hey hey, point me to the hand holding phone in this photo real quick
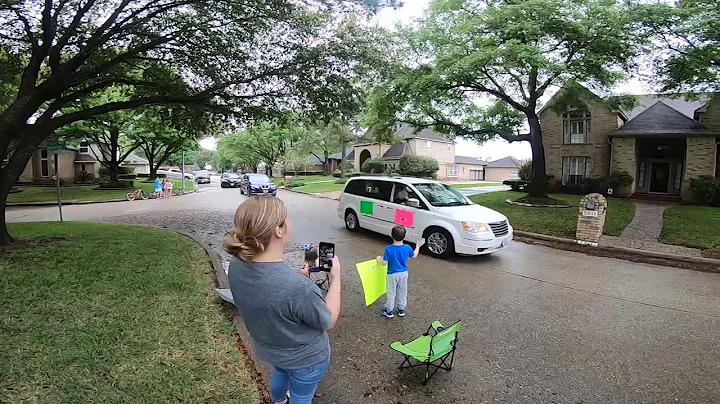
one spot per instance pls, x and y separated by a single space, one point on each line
326 255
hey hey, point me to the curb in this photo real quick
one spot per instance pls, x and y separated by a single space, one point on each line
625 253
221 281
74 202
313 195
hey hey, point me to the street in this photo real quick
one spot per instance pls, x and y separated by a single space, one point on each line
539 324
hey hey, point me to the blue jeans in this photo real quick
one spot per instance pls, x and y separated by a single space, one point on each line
302 383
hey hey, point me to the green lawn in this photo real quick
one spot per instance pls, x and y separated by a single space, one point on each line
476 185
320 187
107 313
307 179
559 222
692 226
81 192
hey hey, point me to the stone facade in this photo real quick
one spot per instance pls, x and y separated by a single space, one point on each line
624 158
700 159
602 122
590 228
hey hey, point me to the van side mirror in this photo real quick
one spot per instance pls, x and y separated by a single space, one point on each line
413 203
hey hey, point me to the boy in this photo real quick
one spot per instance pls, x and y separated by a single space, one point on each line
396 258
158 188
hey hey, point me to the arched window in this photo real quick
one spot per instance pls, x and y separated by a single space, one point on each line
576 127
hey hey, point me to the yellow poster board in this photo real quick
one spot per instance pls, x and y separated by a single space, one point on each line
374 280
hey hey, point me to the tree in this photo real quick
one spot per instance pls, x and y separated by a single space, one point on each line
687 43
505 52
343 133
233 150
247 58
320 140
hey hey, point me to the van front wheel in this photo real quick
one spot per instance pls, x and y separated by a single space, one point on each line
439 243
351 220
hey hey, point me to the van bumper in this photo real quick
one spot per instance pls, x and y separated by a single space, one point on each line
468 246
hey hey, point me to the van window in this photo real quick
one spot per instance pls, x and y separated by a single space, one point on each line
370 189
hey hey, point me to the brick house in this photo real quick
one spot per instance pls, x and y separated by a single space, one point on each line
423 143
502 169
663 142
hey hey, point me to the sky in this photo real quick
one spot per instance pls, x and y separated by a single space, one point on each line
493 149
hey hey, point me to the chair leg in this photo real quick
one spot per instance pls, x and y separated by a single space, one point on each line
402 365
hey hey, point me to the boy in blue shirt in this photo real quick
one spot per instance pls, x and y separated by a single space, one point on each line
396 258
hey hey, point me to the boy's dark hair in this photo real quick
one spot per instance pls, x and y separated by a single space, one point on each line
398 233
310 256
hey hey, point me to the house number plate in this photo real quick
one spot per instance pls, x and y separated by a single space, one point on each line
590 213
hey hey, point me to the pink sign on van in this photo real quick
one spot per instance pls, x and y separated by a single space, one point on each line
405 217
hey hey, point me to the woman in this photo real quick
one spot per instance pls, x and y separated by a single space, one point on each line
284 312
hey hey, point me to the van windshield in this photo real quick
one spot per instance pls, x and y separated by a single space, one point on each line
441 195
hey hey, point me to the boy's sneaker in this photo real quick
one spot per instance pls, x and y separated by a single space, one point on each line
401 312
387 313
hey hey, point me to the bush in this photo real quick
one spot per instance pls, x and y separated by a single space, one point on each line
419 166
104 172
127 176
706 190
340 181
121 184
84 177
374 166
143 175
620 179
525 170
336 174
295 184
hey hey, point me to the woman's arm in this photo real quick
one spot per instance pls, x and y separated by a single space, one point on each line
333 299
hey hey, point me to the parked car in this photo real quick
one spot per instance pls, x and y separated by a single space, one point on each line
202 177
229 180
175 175
449 222
257 184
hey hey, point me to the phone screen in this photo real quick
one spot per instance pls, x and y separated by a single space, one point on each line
326 253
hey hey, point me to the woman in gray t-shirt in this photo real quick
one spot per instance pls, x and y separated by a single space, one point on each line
284 312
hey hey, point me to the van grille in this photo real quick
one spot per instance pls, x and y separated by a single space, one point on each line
500 229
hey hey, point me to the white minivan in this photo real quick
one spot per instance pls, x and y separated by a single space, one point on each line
449 222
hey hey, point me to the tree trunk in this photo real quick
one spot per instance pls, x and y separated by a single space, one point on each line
326 165
538 182
5 237
342 161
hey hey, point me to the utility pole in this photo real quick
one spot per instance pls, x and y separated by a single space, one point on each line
182 170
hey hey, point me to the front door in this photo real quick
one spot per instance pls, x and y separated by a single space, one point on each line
659 177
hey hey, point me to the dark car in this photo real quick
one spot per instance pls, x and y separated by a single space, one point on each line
202 176
257 184
229 180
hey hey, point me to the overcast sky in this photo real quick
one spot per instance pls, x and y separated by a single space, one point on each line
491 150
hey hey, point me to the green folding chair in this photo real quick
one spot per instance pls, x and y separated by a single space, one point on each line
430 350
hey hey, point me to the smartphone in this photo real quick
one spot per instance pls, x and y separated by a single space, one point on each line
326 253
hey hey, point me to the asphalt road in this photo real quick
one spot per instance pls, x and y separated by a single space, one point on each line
539 325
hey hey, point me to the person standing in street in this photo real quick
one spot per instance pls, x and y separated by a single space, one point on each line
285 313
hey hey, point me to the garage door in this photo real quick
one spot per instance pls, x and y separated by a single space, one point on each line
477 175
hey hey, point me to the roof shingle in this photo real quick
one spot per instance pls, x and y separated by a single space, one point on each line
661 119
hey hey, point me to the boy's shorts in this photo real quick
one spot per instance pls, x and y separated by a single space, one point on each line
158 189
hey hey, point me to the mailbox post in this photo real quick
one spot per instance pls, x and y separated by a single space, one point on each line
591 218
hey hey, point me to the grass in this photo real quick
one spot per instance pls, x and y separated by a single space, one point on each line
90 313
85 193
560 222
307 179
693 226
476 185
320 187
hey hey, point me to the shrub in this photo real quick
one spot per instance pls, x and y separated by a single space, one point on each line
127 176
296 184
104 172
418 166
706 190
84 177
525 170
373 166
620 179
121 184
340 181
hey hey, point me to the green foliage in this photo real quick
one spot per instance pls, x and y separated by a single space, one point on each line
84 177
115 184
525 170
418 166
706 190
373 166
685 43
620 179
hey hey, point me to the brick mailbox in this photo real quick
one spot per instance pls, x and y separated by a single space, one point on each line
591 218
288 180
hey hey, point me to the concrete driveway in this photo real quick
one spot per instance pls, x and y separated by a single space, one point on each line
540 325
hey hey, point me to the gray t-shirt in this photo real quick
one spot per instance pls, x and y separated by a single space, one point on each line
283 311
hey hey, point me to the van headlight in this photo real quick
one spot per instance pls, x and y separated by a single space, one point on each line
474 227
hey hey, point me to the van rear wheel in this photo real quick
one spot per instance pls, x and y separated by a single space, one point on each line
351 220
439 243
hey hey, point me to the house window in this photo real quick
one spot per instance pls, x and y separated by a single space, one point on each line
84 147
576 169
82 168
452 171
678 176
576 127
426 144
44 163
641 175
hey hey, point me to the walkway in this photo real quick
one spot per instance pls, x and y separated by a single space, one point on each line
643 232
